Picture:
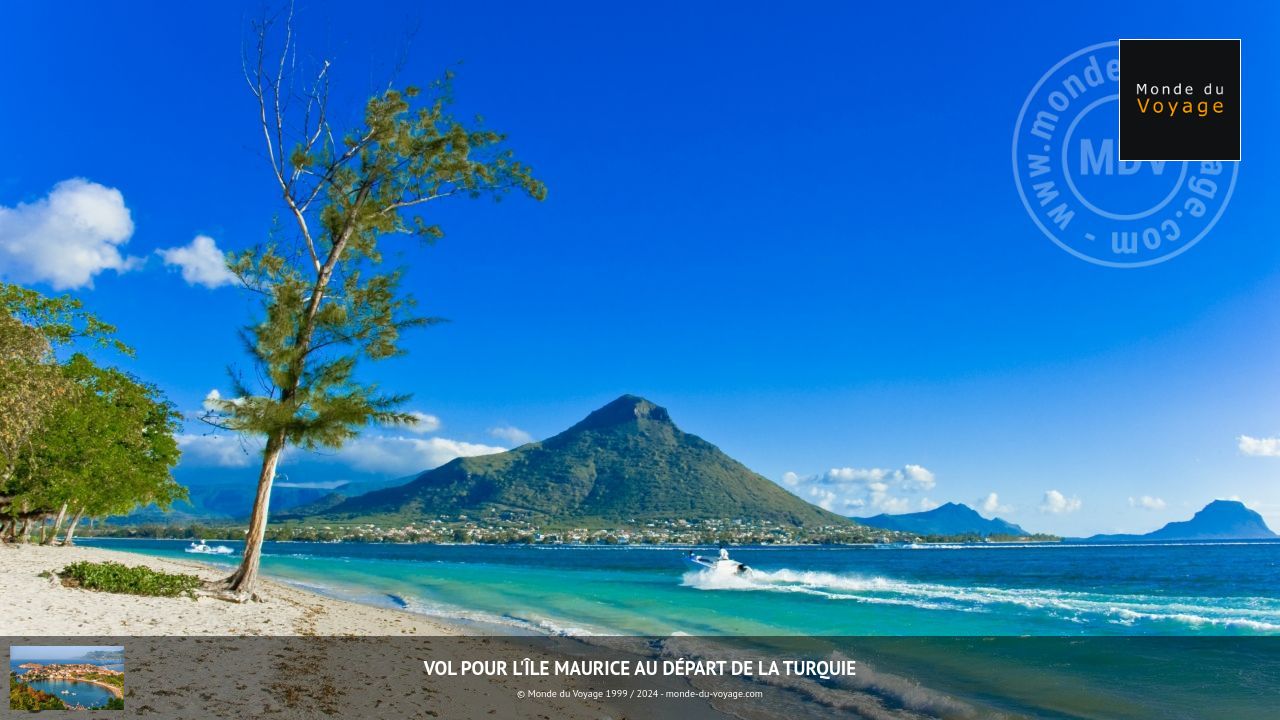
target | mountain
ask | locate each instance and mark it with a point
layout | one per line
(949, 519)
(626, 462)
(1219, 520)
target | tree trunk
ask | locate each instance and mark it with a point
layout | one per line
(25, 536)
(244, 579)
(57, 526)
(71, 529)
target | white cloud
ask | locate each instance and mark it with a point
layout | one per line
(214, 402)
(1260, 447)
(201, 262)
(1058, 504)
(391, 455)
(865, 491)
(1147, 502)
(222, 450)
(511, 434)
(66, 238)
(426, 423)
(991, 505)
(396, 455)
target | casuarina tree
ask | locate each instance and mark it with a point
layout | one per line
(329, 300)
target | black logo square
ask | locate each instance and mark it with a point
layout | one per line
(1179, 100)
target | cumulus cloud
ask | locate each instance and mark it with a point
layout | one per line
(1147, 502)
(991, 505)
(222, 450)
(1260, 447)
(391, 455)
(865, 491)
(66, 238)
(201, 262)
(511, 434)
(214, 402)
(1058, 504)
(426, 424)
(397, 455)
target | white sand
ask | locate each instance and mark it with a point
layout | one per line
(32, 605)
(295, 668)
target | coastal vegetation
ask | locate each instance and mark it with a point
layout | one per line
(24, 697)
(131, 580)
(327, 298)
(78, 439)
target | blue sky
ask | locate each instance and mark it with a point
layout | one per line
(48, 653)
(794, 227)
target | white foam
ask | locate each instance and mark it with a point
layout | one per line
(1250, 614)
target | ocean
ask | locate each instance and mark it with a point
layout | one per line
(1117, 632)
(1214, 588)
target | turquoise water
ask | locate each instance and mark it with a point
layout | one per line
(74, 693)
(1040, 590)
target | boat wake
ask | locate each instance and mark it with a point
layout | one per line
(1136, 613)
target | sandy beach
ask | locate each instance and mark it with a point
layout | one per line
(296, 655)
(34, 605)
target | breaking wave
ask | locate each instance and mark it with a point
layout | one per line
(1136, 612)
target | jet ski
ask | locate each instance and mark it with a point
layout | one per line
(722, 564)
(203, 548)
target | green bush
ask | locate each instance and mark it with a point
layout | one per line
(25, 697)
(117, 578)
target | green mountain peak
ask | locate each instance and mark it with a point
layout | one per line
(626, 462)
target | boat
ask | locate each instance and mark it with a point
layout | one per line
(718, 565)
(203, 548)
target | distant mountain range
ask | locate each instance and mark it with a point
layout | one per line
(948, 519)
(1219, 520)
(626, 462)
(226, 500)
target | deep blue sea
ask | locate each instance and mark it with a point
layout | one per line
(1218, 588)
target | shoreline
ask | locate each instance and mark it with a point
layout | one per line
(195, 643)
(118, 692)
(42, 606)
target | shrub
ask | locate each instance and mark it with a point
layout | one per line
(117, 578)
(25, 697)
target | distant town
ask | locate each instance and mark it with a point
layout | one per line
(72, 671)
(505, 529)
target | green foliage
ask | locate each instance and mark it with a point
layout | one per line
(75, 437)
(25, 697)
(330, 300)
(105, 448)
(626, 462)
(114, 680)
(61, 320)
(114, 703)
(118, 578)
(30, 387)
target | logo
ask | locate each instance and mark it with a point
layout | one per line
(1180, 100)
(1107, 211)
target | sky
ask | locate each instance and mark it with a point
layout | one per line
(794, 227)
(49, 653)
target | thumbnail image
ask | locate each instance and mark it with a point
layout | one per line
(66, 677)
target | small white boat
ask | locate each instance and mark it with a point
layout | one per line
(203, 548)
(719, 565)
